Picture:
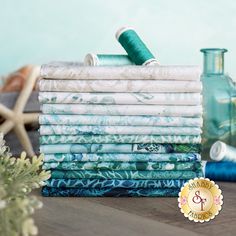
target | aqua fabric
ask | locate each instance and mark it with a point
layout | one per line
(116, 138)
(120, 148)
(128, 130)
(114, 183)
(55, 119)
(120, 157)
(109, 192)
(122, 165)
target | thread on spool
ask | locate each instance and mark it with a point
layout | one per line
(221, 171)
(107, 60)
(204, 167)
(222, 152)
(91, 60)
(135, 47)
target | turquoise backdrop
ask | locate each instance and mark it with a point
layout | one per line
(45, 30)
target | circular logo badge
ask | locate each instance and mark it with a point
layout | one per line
(200, 199)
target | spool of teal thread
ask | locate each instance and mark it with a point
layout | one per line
(135, 47)
(222, 152)
(220, 171)
(107, 60)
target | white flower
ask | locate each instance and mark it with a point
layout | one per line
(29, 228)
(2, 204)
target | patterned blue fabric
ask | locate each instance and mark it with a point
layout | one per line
(114, 183)
(125, 174)
(109, 192)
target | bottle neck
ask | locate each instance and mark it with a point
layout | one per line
(213, 61)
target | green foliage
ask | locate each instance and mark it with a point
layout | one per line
(18, 176)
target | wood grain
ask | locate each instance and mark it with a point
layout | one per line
(83, 216)
(130, 216)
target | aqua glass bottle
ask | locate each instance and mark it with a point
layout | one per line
(219, 101)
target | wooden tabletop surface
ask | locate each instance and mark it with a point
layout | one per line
(130, 216)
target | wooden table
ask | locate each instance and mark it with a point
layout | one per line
(130, 216)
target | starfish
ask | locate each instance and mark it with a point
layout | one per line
(16, 119)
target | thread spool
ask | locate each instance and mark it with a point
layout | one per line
(135, 47)
(221, 171)
(222, 152)
(107, 60)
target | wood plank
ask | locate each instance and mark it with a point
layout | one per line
(166, 210)
(130, 216)
(81, 216)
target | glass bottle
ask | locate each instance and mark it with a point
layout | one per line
(219, 101)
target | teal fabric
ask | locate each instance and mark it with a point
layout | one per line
(114, 183)
(120, 157)
(119, 174)
(109, 192)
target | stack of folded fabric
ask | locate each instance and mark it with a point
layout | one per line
(120, 131)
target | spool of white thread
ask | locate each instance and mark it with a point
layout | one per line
(222, 152)
(91, 60)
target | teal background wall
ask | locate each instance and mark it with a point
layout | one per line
(45, 30)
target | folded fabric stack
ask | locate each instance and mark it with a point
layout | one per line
(120, 131)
